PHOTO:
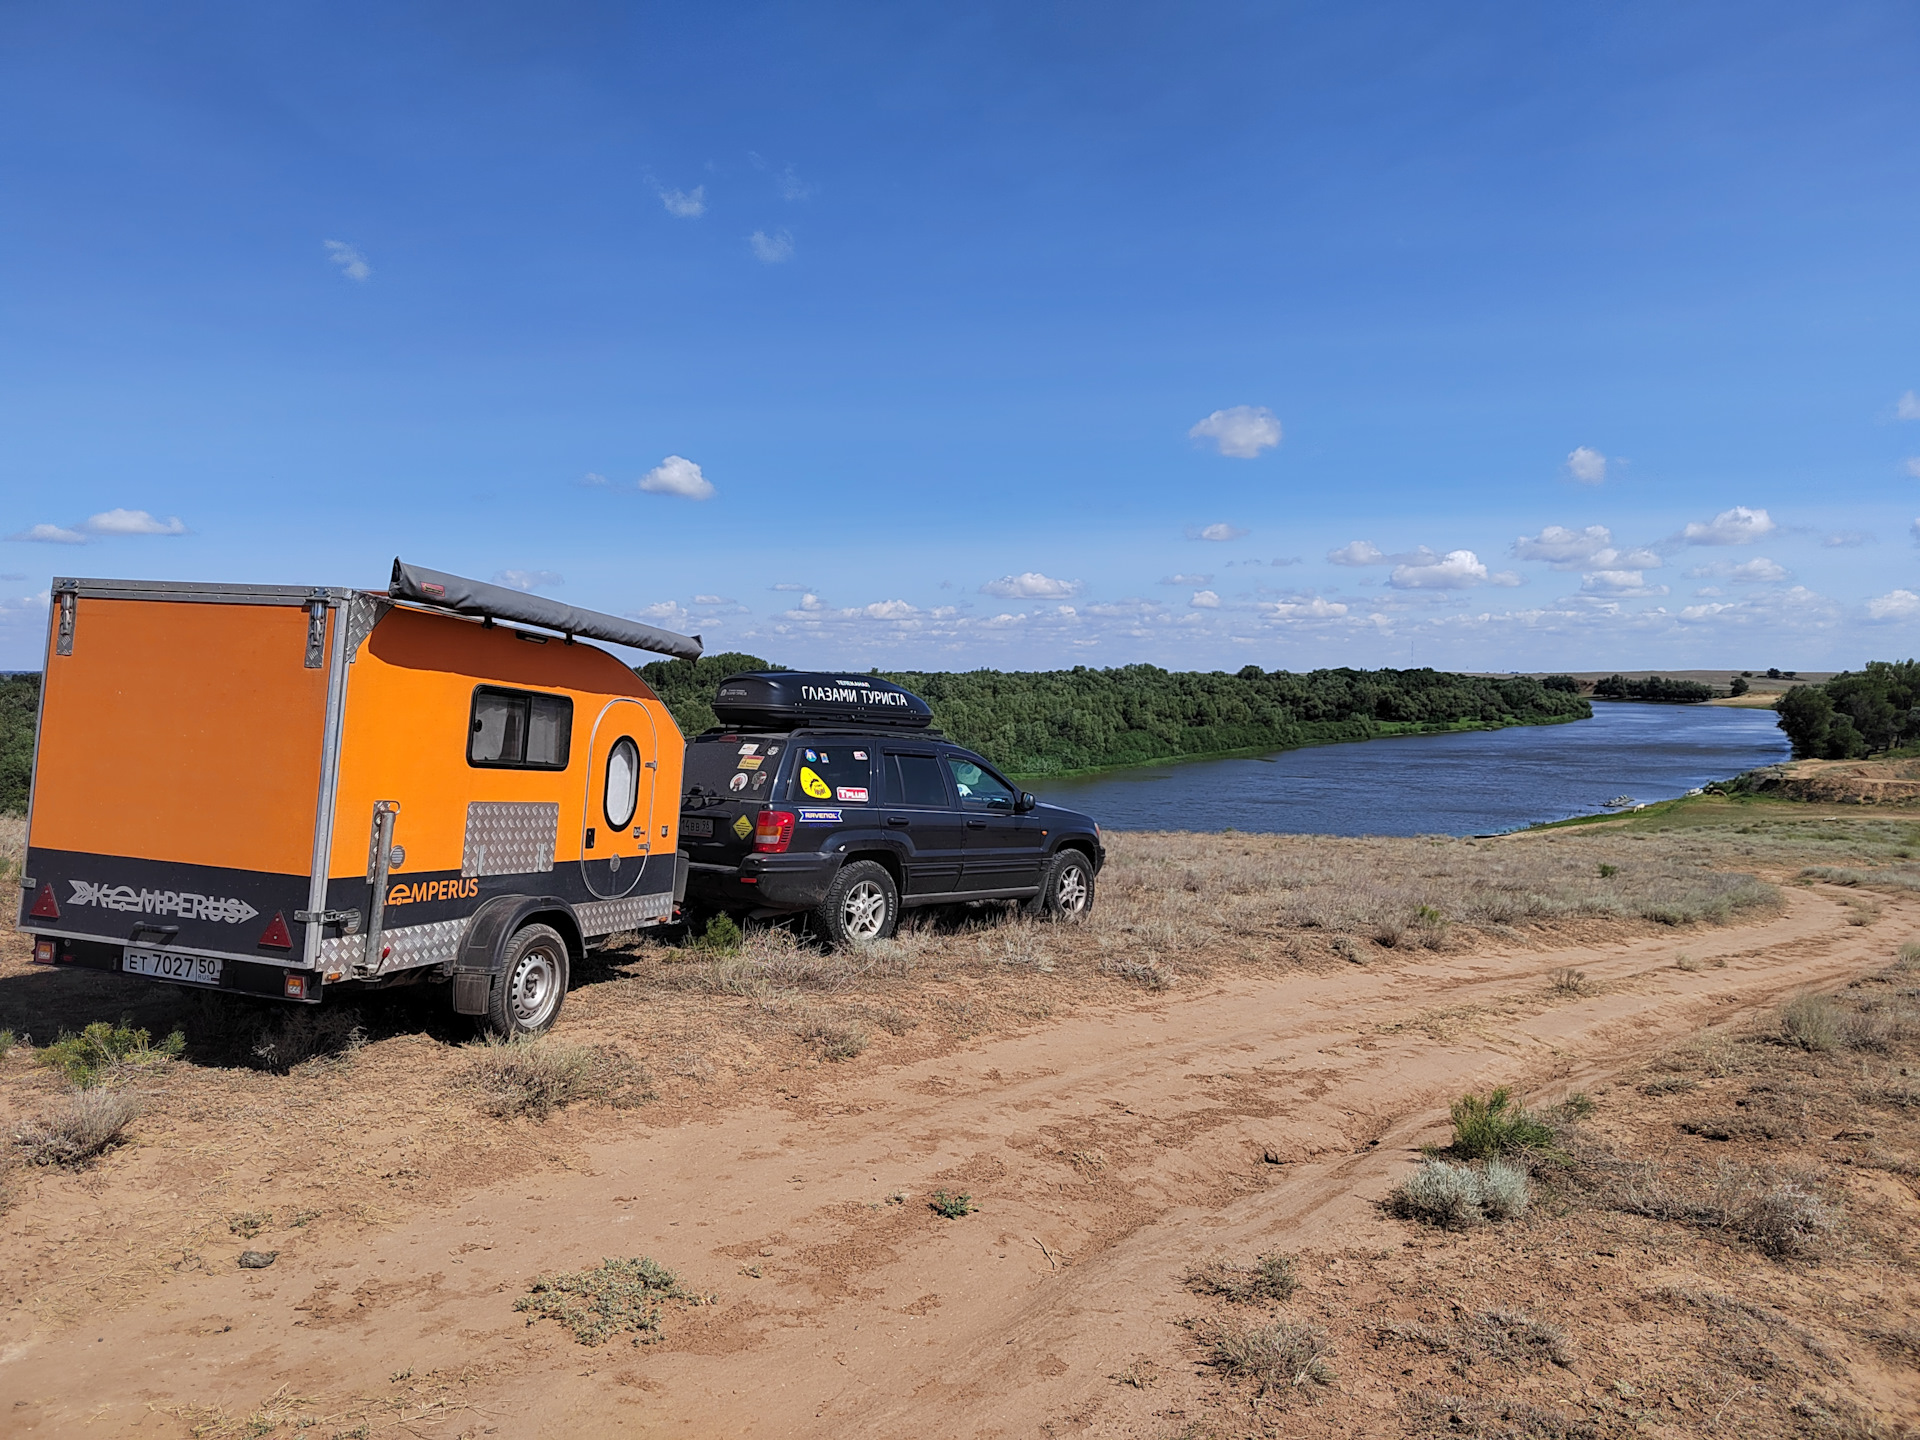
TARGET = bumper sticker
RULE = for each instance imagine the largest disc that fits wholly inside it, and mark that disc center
(854, 794)
(819, 817)
(814, 785)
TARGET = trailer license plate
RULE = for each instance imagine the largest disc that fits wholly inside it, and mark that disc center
(193, 969)
(696, 827)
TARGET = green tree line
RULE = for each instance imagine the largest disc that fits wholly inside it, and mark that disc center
(1053, 721)
(1654, 687)
(19, 709)
(1855, 713)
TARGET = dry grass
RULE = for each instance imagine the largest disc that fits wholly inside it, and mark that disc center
(834, 1039)
(1278, 1358)
(78, 1129)
(614, 1297)
(13, 848)
(1269, 1279)
(536, 1077)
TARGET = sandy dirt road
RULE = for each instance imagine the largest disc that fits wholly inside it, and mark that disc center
(1107, 1153)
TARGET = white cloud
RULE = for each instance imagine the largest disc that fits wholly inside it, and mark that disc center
(1220, 530)
(1619, 584)
(1759, 571)
(788, 585)
(1565, 549)
(1314, 609)
(593, 479)
(49, 535)
(1738, 526)
(1031, 585)
(1205, 600)
(667, 613)
(527, 579)
(1846, 539)
(1587, 465)
(1188, 580)
(1242, 432)
(791, 186)
(771, 249)
(352, 263)
(1456, 570)
(1359, 552)
(677, 475)
(891, 610)
(107, 522)
(711, 600)
(1505, 577)
(685, 204)
(1908, 407)
(1894, 605)
(1913, 467)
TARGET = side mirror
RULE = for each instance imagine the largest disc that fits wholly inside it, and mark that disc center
(1025, 803)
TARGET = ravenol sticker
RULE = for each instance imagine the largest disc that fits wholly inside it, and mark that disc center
(814, 785)
(854, 794)
(743, 827)
(819, 817)
(750, 762)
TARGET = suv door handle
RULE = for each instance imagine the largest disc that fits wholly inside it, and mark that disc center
(976, 824)
(900, 820)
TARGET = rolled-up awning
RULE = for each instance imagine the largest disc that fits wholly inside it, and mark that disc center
(473, 597)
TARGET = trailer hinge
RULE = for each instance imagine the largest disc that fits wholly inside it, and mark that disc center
(347, 920)
(316, 633)
(69, 601)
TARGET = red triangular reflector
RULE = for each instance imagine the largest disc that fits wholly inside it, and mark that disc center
(277, 935)
(45, 907)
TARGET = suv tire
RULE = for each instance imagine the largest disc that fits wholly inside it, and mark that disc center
(861, 906)
(1066, 888)
(531, 985)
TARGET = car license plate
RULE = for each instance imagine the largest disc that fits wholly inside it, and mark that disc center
(193, 969)
(696, 827)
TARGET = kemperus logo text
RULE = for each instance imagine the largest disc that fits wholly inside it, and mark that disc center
(182, 903)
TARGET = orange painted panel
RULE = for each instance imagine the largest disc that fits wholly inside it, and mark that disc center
(409, 702)
(183, 732)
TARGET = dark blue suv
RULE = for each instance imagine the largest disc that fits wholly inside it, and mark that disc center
(831, 795)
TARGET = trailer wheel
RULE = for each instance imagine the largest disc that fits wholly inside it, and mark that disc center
(531, 986)
(861, 907)
(1066, 889)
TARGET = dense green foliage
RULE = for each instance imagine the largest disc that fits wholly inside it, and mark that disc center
(1052, 721)
(1855, 713)
(1654, 687)
(19, 710)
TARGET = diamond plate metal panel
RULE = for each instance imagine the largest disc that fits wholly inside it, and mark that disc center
(509, 837)
(409, 946)
(605, 917)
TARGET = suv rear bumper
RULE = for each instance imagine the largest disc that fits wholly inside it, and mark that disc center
(764, 882)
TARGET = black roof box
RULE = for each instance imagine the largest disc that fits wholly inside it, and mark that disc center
(790, 697)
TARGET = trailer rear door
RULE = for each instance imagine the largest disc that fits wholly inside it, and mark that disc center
(178, 774)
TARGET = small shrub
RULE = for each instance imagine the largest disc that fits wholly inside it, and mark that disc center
(306, 1033)
(834, 1039)
(77, 1130)
(1568, 982)
(1607, 872)
(1149, 974)
(721, 937)
(1811, 1023)
(1909, 956)
(1497, 1125)
(1269, 1278)
(250, 1223)
(950, 1205)
(615, 1296)
(1438, 1193)
(102, 1050)
(1687, 963)
(1505, 1190)
(1277, 1357)
(1780, 1217)
(536, 1077)
(7, 1041)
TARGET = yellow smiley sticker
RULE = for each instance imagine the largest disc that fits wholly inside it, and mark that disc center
(814, 785)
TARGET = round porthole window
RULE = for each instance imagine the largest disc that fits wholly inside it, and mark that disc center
(623, 783)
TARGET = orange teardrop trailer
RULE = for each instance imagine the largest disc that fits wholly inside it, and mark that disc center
(281, 791)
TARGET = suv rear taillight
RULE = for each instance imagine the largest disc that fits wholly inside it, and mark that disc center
(774, 832)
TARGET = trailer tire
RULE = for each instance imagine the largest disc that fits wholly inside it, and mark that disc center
(862, 906)
(531, 985)
(1066, 888)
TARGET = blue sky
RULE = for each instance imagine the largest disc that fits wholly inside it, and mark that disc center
(1481, 336)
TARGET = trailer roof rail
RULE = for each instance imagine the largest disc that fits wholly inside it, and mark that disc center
(421, 586)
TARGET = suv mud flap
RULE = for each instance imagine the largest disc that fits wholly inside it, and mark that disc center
(484, 945)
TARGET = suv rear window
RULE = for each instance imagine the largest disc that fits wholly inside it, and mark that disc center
(840, 772)
(732, 767)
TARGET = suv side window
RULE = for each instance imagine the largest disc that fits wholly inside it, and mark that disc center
(834, 771)
(979, 787)
(916, 780)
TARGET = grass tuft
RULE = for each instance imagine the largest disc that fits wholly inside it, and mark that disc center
(1149, 974)
(1497, 1125)
(103, 1052)
(78, 1130)
(1566, 981)
(1811, 1023)
(1439, 1193)
(614, 1297)
(950, 1205)
(1278, 1357)
(834, 1039)
(1269, 1279)
(536, 1077)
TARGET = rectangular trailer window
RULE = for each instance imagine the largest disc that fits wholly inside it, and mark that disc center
(519, 730)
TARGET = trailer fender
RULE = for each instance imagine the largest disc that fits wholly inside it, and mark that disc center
(484, 946)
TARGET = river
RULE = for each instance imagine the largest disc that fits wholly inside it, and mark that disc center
(1470, 783)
